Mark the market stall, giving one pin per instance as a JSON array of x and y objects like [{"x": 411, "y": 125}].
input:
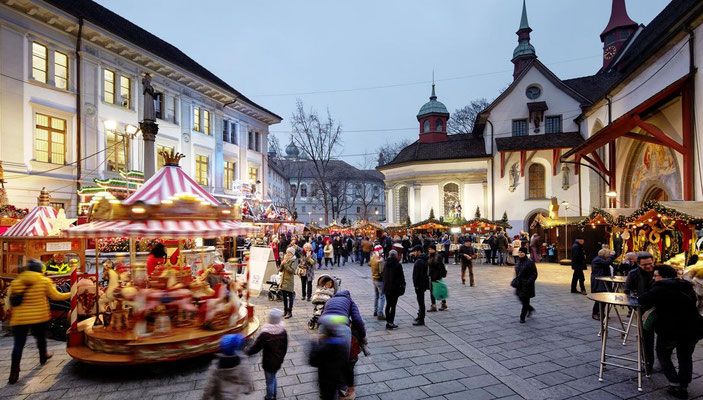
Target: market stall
[
  {"x": 482, "y": 226},
  {"x": 562, "y": 231},
  {"x": 429, "y": 226},
  {"x": 173, "y": 311},
  {"x": 400, "y": 230},
  {"x": 368, "y": 228}
]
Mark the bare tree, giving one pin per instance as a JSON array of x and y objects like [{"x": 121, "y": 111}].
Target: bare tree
[
  {"x": 293, "y": 170},
  {"x": 389, "y": 150},
  {"x": 339, "y": 193},
  {"x": 274, "y": 144},
  {"x": 364, "y": 191},
  {"x": 462, "y": 120},
  {"x": 319, "y": 139}
]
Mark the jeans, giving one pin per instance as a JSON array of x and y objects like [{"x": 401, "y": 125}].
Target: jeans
[
  {"x": 288, "y": 298},
  {"x": 365, "y": 257},
  {"x": 336, "y": 258},
  {"x": 306, "y": 284},
  {"x": 379, "y": 297},
  {"x": 470, "y": 267},
  {"x": 580, "y": 278},
  {"x": 328, "y": 261},
  {"x": 501, "y": 257},
  {"x": 391, "y": 302},
  {"x": 684, "y": 351},
  {"x": 20, "y": 333},
  {"x": 420, "y": 294},
  {"x": 270, "y": 385},
  {"x": 526, "y": 307}
]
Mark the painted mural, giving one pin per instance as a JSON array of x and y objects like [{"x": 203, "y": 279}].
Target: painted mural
[{"x": 655, "y": 166}]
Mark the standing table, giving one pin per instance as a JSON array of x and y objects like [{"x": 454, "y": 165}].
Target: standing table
[
  {"x": 614, "y": 285},
  {"x": 608, "y": 301}
]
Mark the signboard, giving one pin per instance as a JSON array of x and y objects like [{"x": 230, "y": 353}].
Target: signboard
[
  {"x": 58, "y": 246},
  {"x": 261, "y": 266}
]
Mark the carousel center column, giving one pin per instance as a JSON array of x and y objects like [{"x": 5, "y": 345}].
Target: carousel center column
[{"x": 149, "y": 127}]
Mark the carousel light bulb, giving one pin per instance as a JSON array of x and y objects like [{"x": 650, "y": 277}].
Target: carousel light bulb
[
  {"x": 138, "y": 210},
  {"x": 659, "y": 215},
  {"x": 114, "y": 201},
  {"x": 650, "y": 220},
  {"x": 166, "y": 201}
]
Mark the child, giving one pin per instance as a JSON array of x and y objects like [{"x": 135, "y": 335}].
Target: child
[
  {"x": 228, "y": 378},
  {"x": 273, "y": 340},
  {"x": 330, "y": 354},
  {"x": 553, "y": 252}
]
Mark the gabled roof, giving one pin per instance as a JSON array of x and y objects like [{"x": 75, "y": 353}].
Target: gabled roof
[
  {"x": 456, "y": 147},
  {"x": 334, "y": 168},
  {"x": 123, "y": 28},
  {"x": 539, "y": 142},
  {"x": 592, "y": 87}
]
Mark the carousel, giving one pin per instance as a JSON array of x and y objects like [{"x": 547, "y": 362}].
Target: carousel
[{"x": 172, "y": 311}]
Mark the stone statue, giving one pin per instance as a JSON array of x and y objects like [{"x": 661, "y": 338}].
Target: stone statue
[
  {"x": 514, "y": 177},
  {"x": 565, "y": 177},
  {"x": 149, "y": 98}
]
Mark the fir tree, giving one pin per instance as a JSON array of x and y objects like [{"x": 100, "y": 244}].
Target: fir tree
[
  {"x": 505, "y": 217},
  {"x": 432, "y": 213},
  {"x": 407, "y": 220},
  {"x": 478, "y": 212},
  {"x": 295, "y": 215},
  {"x": 344, "y": 220}
]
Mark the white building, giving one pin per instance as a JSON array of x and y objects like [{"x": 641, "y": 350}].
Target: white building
[{"x": 68, "y": 67}]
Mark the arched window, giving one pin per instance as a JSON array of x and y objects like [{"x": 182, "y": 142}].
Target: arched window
[
  {"x": 439, "y": 125},
  {"x": 536, "y": 182},
  {"x": 303, "y": 190},
  {"x": 451, "y": 199},
  {"x": 402, "y": 204},
  {"x": 426, "y": 126}
]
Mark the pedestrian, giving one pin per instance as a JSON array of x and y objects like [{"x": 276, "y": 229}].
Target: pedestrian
[
  {"x": 421, "y": 282},
  {"x": 273, "y": 341},
  {"x": 329, "y": 254},
  {"x": 628, "y": 264},
  {"x": 307, "y": 262},
  {"x": 525, "y": 277},
  {"x": 578, "y": 264},
  {"x": 329, "y": 353},
  {"x": 467, "y": 253},
  {"x": 437, "y": 271},
  {"x": 445, "y": 248},
  {"x": 493, "y": 247},
  {"x": 393, "y": 286},
  {"x": 600, "y": 267},
  {"x": 377, "y": 263},
  {"x": 274, "y": 249},
  {"x": 517, "y": 243},
  {"x": 288, "y": 266},
  {"x": 320, "y": 253},
  {"x": 228, "y": 377},
  {"x": 342, "y": 304},
  {"x": 387, "y": 244},
  {"x": 346, "y": 250},
  {"x": 406, "y": 248},
  {"x": 337, "y": 247},
  {"x": 366, "y": 248},
  {"x": 534, "y": 247},
  {"x": 677, "y": 324},
  {"x": 501, "y": 246},
  {"x": 639, "y": 281},
  {"x": 30, "y": 310}
]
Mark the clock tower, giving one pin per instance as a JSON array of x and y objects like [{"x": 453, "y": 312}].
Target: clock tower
[
  {"x": 524, "y": 53},
  {"x": 619, "y": 30}
]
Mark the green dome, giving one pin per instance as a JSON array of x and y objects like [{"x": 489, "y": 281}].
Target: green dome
[
  {"x": 292, "y": 150},
  {"x": 524, "y": 48},
  {"x": 433, "y": 106}
]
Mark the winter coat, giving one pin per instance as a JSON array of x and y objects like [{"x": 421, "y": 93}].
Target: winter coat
[
  {"x": 638, "y": 281},
  {"x": 273, "y": 340},
  {"x": 578, "y": 257},
  {"x": 320, "y": 252},
  {"x": 309, "y": 265},
  {"x": 35, "y": 307},
  {"x": 393, "y": 278},
  {"x": 467, "y": 249},
  {"x": 342, "y": 304},
  {"x": 526, "y": 274},
  {"x": 676, "y": 312},
  {"x": 329, "y": 250},
  {"x": 350, "y": 245},
  {"x": 366, "y": 246},
  {"x": 377, "y": 263},
  {"x": 421, "y": 279},
  {"x": 516, "y": 247},
  {"x": 600, "y": 267},
  {"x": 437, "y": 270},
  {"x": 228, "y": 378},
  {"x": 274, "y": 249},
  {"x": 501, "y": 243},
  {"x": 288, "y": 268}
]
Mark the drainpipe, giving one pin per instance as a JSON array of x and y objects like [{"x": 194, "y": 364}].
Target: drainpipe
[
  {"x": 692, "y": 84},
  {"x": 79, "y": 116},
  {"x": 493, "y": 187}
]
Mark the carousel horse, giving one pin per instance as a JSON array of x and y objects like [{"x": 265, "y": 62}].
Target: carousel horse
[{"x": 107, "y": 296}]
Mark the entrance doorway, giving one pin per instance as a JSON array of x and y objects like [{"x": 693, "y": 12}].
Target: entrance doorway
[{"x": 655, "y": 193}]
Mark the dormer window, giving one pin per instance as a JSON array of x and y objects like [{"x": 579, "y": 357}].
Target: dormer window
[
  {"x": 426, "y": 126},
  {"x": 439, "y": 125}
]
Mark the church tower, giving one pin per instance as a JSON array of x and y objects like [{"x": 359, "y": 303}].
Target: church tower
[
  {"x": 620, "y": 28},
  {"x": 433, "y": 117},
  {"x": 524, "y": 53}
]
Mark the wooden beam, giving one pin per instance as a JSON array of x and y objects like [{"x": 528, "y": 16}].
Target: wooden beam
[
  {"x": 644, "y": 138},
  {"x": 688, "y": 143},
  {"x": 657, "y": 133},
  {"x": 523, "y": 153},
  {"x": 555, "y": 160},
  {"x": 613, "y": 171},
  {"x": 599, "y": 163},
  {"x": 577, "y": 167},
  {"x": 502, "y": 164}
]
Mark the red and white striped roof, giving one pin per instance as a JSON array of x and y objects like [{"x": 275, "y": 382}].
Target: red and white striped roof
[
  {"x": 172, "y": 229},
  {"x": 36, "y": 223},
  {"x": 167, "y": 182}
]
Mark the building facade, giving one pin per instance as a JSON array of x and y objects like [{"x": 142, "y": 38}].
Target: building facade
[{"x": 70, "y": 104}]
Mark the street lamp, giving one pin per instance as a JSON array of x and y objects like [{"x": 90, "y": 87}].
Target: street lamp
[
  {"x": 310, "y": 216},
  {"x": 565, "y": 204},
  {"x": 611, "y": 194}
]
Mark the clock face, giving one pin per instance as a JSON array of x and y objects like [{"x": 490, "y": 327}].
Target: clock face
[
  {"x": 609, "y": 52},
  {"x": 533, "y": 92}
]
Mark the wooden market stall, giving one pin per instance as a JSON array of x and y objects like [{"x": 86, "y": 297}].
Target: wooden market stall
[
  {"x": 368, "y": 228},
  {"x": 563, "y": 231},
  {"x": 482, "y": 226},
  {"x": 430, "y": 226}
]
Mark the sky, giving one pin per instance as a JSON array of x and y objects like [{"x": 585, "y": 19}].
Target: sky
[{"x": 370, "y": 63}]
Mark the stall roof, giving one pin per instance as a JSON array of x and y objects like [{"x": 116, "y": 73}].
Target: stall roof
[
  {"x": 169, "y": 181},
  {"x": 37, "y": 223}
]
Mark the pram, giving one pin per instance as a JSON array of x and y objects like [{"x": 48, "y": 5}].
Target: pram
[
  {"x": 58, "y": 325},
  {"x": 326, "y": 287},
  {"x": 274, "y": 290}
]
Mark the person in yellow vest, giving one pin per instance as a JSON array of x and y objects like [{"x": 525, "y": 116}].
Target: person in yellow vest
[{"x": 30, "y": 310}]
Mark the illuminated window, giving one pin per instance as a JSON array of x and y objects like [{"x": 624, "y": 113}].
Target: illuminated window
[
  {"x": 61, "y": 70},
  {"x": 451, "y": 199},
  {"x": 125, "y": 91},
  {"x": 202, "y": 169},
  {"x": 50, "y": 139},
  {"x": 160, "y": 162},
  {"x": 109, "y": 83},
  {"x": 303, "y": 190},
  {"x": 117, "y": 152},
  {"x": 206, "y": 122},
  {"x": 39, "y": 62},
  {"x": 253, "y": 174},
  {"x": 196, "y": 119},
  {"x": 536, "y": 182},
  {"x": 229, "y": 174}
]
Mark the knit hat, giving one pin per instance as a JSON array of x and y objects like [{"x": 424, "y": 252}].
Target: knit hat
[
  {"x": 290, "y": 250},
  {"x": 35, "y": 265},
  {"x": 230, "y": 344},
  {"x": 274, "y": 316},
  {"x": 523, "y": 250},
  {"x": 378, "y": 247}
]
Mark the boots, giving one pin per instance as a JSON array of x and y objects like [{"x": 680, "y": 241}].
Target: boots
[
  {"x": 381, "y": 317},
  {"x": 14, "y": 375},
  {"x": 47, "y": 356},
  {"x": 433, "y": 308},
  {"x": 287, "y": 315},
  {"x": 443, "y": 307}
]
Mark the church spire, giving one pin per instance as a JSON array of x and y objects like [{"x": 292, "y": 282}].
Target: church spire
[
  {"x": 524, "y": 53},
  {"x": 618, "y": 31}
]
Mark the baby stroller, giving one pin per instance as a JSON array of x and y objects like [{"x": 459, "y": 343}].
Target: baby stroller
[
  {"x": 58, "y": 325},
  {"x": 326, "y": 287},
  {"x": 274, "y": 287}
]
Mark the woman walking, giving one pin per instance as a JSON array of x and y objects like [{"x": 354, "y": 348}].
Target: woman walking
[
  {"x": 30, "y": 310},
  {"x": 525, "y": 277},
  {"x": 288, "y": 267},
  {"x": 600, "y": 266},
  {"x": 329, "y": 253},
  {"x": 307, "y": 262}
]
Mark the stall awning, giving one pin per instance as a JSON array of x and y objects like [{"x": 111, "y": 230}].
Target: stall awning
[
  {"x": 36, "y": 223},
  {"x": 167, "y": 182},
  {"x": 172, "y": 229}
]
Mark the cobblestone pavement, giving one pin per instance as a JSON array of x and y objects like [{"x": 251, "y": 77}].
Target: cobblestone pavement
[{"x": 475, "y": 350}]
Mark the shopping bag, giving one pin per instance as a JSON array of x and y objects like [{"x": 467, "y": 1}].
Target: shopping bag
[{"x": 439, "y": 290}]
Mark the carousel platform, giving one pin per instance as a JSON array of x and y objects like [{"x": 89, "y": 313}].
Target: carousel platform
[{"x": 102, "y": 345}]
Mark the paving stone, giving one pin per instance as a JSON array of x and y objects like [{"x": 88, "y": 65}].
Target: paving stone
[
  {"x": 443, "y": 376},
  {"x": 388, "y": 375},
  {"x": 438, "y": 389},
  {"x": 479, "y": 381},
  {"x": 404, "y": 394},
  {"x": 473, "y": 394}
]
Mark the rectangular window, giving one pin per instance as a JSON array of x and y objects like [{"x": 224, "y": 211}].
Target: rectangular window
[
  {"x": 520, "y": 127},
  {"x": 160, "y": 162},
  {"x": 125, "y": 91},
  {"x": 50, "y": 139},
  {"x": 61, "y": 70},
  {"x": 233, "y": 132},
  {"x": 229, "y": 174},
  {"x": 159, "y": 105},
  {"x": 225, "y": 132},
  {"x": 117, "y": 152},
  {"x": 202, "y": 166},
  {"x": 39, "y": 62},
  {"x": 552, "y": 124},
  {"x": 253, "y": 175},
  {"x": 250, "y": 141},
  {"x": 196, "y": 119},
  {"x": 358, "y": 210},
  {"x": 303, "y": 209},
  {"x": 109, "y": 83},
  {"x": 257, "y": 141},
  {"x": 206, "y": 122}
]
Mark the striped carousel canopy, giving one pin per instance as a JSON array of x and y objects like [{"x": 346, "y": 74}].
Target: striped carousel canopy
[
  {"x": 172, "y": 229},
  {"x": 169, "y": 181},
  {"x": 37, "y": 222}
]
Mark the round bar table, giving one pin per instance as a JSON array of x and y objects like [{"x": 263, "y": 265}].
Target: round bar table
[
  {"x": 608, "y": 301},
  {"x": 614, "y": 284}
]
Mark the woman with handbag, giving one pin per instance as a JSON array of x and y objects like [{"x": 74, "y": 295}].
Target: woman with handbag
[
  {"x": 524, "y": 282},
  {"x": 30, "y": 310},
  {"x": 306, "y": 270},
  {"x": 288, "y": 267},
  {"x": 393, "y": 286}
]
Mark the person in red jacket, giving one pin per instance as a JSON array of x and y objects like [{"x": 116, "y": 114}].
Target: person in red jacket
[{"x": 156, "y": 256}]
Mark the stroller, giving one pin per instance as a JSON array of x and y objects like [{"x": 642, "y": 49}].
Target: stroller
[
  {"x": 326, "y": 287},
  {"x": 274, "y": 291},
  {"x": 58, "y": 325}
]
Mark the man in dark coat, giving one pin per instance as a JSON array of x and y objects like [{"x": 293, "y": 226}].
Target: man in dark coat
[
  {"x": 578, "y": 264},
  {"x": 393, "y": 286},
  {"x": 600, "y": 267},
  {"x": 437, "y": 271},
  {"x": 678, "y": 325},
  {"x": 526, "y": 274},
  {"x": 466, "y": 254},
  {"x": 421, "y": 282},
  {"x": 406, "y": 249},
  {"x": 639, "y": 282},
  {"x": 273, "y": 340}
]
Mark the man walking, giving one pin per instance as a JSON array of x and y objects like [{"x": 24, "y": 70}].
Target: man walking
[
  {"x": 437, "y": 271},
  {"x": 366, "y": 247},
  {"x": 467, "y": 253},
  {"x": 502, "y": 246},
  {"x": 421, "y": 282},
  {"x": 578, "y": 264}
]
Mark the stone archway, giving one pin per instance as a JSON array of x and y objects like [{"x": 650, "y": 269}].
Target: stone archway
[
  {"x": 652, "y": 171},
  {"x": 655, "y": 192}
]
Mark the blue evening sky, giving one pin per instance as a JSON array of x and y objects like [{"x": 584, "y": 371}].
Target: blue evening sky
[{"x": 370, "y": 62}]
